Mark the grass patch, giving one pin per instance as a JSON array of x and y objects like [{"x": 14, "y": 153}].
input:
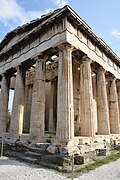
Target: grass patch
[
  {"x": 99, "y": 161},
  {"x": 50, "y": 134}
]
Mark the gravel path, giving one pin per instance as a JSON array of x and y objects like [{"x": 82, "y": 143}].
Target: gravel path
[
  {"x": 109, "y": 171},
  {"x": 15, "y": 170}
]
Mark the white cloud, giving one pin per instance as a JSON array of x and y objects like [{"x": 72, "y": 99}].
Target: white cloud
[
  {"x": 11, "y": 10},
  {"x": 116, "y": 33},
  {"x": 37, "y": 14},
  {"x": 12, "y": 13},
  {"x": 109, "y": 43},
  {"x": 60, "y": 3}
]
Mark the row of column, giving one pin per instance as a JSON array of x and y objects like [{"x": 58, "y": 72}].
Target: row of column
[
  {"x": 107, "y": 113},
  {"x": 16, "y": 124},
  {"x": 108, "y": 119}
]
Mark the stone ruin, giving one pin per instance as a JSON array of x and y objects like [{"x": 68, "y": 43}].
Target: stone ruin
[{"x": 66, "y": 81}]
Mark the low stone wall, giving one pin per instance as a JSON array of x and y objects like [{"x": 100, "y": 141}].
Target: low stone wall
[{"x": 57, "y": 151}]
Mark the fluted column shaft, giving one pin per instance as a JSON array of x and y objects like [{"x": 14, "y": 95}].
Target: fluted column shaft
[
  {"x": 16, "y": 125},
  {"x": 52, "y": 117},
  {"x": 4, "y": 97},
  {"x": 102, "y": 104},
  {"x": 37, "y": 118},
  {"x": 65, "y": 110},
  {"x": 113, "y": 108},
  {"x": 118, "y": 89},
  {"x": 86, "y": 98},
  {"x": 28, "y": 104}
]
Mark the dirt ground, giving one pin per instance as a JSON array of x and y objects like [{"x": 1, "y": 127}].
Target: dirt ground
[{"x": 15, "y": 170}]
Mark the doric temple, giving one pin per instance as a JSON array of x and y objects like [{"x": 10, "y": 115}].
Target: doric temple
[{"x": 66, "y": 80}]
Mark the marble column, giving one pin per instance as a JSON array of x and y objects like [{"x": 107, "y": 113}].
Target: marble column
[
  {"x": 65, "y": 110},
  {"x": 4, "y": 98},
  {"x": 113, "y": 107},
  {"x": 16, "y": 125},
  {"x": 118, "y": 90},
  {"x": 52, "y": 118},
  {"x": 37, "y": 118},
  {"x": 95, "y": 103},
  {"x": 28, "y": 104},
  {"x": 86, "y": 98},
  {"x": 76, "y": 95},
  {"x": 47, "y": 104},
  {"x": 102, "y": 104}
]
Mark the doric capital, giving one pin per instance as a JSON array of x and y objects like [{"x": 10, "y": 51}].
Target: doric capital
[
  {"x": 111, "y": 78},
  {"x": 42, "y": 57},
  {"x": 17, "y": 67},
  {"x": 101, "y": 70},
  {"x": 85, "y": 58},
  {"x": 36, "y": 58},
  {"x": 3, "y": 74},
  {"x": 118, "y": 83},
  {"x": 6, "y": 74},
  {"x": 65, "y": 46}
]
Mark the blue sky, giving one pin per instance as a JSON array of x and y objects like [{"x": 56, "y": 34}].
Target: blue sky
[{"x": 102, "y": 15}]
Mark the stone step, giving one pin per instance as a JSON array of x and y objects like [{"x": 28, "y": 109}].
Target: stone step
[
  {"x": 29, "y": 159},
  {"x": 33, "y": 154},
  {"x": 44, "y": 159},
  {"x": 38, "y": 147},
  {"x": 37, "y": 158},
  {"x": 42, "y": 145},
  {"x": 22, "y": 156},
  {"x": 37, "y": 150}
]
